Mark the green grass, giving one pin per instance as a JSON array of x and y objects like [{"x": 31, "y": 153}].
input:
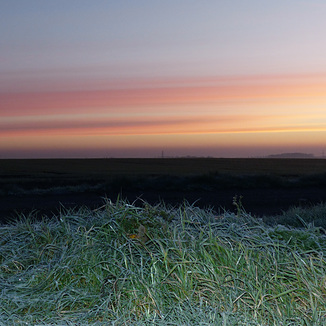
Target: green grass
[{"x": 191, "y": 267}]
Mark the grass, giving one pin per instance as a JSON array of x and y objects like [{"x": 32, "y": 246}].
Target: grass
[
  {"x": 158, "y": 265},
  {"x": 304, "y": 217},
  {"x": 42, "y": 176},
  {"x": 37, "y": 185}
]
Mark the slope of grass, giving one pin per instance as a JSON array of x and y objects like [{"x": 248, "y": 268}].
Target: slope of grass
[
  {"x": 159, "y": 265},
  {"x": 304, "y": 217}
]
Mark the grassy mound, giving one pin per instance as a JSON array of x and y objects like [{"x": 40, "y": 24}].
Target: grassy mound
[{"x": 158, "y": 265}]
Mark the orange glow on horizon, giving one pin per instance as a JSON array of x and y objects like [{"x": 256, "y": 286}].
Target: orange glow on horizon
[{"x": 220, "y": 112}]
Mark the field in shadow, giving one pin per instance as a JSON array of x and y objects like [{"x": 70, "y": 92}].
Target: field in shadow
[{"x": 267, "y": 186}]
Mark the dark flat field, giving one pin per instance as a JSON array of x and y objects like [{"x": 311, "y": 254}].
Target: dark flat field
[
  {"x": 174, "y": 166},
  {"x": 268, "y": 186}
]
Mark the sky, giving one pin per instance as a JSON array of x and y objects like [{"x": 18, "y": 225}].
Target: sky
[{"x": 143, "y": 78}]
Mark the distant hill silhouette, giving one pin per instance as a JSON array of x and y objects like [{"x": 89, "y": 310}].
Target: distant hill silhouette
[{"x": 291, "y": 155}]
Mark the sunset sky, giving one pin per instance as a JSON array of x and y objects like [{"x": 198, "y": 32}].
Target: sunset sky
[{"x": 106, "y": 78}]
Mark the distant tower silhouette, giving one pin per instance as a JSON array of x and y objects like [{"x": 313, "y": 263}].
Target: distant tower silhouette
[{"x": 162, "y": 154}]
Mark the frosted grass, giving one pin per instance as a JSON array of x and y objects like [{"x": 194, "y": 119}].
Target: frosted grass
[{"x": 190, "y": 267}]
